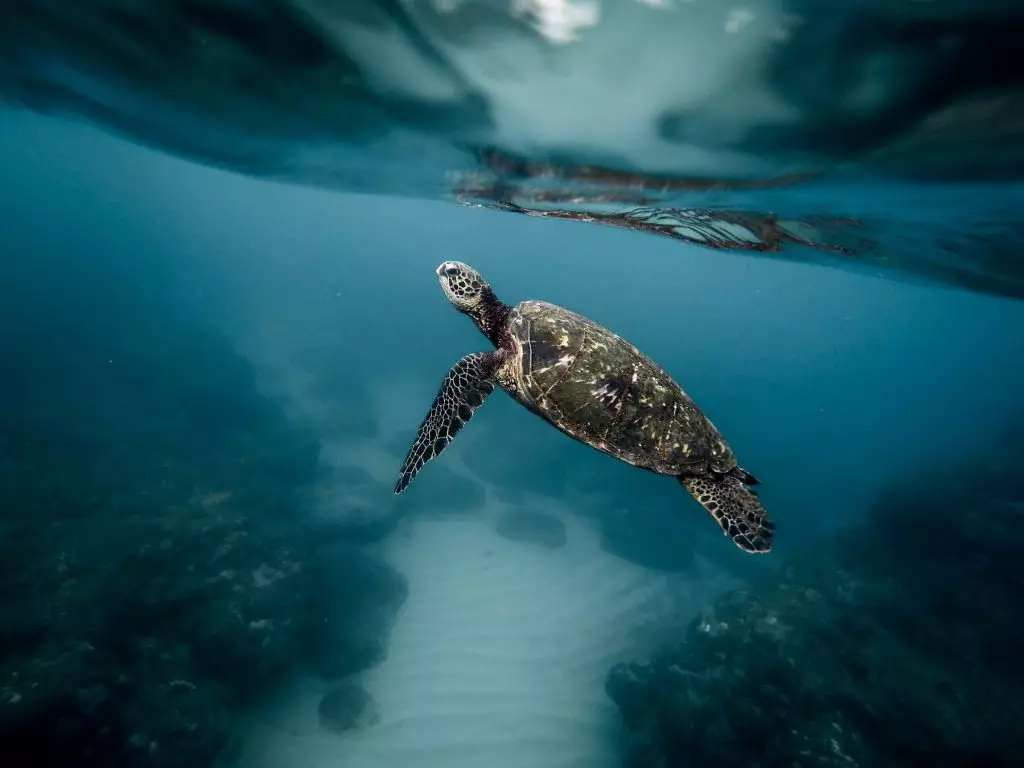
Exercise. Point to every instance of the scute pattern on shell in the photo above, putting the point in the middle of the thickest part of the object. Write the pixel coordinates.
(601, 390)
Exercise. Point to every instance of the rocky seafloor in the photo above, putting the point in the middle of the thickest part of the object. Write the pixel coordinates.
(895, 644)
(157, 567)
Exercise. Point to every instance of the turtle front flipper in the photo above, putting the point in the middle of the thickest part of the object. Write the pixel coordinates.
(463, 390)
(735, 508)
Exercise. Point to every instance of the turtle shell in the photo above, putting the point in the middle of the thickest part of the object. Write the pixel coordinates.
(601, 390)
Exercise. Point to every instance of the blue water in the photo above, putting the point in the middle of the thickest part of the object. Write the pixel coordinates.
(168, 318)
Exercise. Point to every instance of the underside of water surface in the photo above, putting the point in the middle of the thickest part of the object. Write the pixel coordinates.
(791, 128)
(221, 325)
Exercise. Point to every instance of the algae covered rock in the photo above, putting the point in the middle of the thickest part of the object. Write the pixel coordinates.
(357, 602)
(891, 646)
(154, 571)
(517, 457)
(351, 506)
(650, 537)
(347, 708)
(439, 490)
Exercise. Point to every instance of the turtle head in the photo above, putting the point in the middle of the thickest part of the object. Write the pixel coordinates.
(470, 294)
(463, 286)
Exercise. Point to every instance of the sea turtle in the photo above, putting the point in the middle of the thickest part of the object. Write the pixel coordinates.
(595, 387)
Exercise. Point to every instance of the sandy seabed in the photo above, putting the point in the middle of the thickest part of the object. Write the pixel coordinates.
(498, 657)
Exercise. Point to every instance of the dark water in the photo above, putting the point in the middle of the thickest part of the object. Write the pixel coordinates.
(211, 378)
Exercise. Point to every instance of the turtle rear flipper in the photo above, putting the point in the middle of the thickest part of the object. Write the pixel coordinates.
(465, 387)
(735, 508)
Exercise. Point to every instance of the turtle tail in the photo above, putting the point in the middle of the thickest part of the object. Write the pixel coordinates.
(735, 508)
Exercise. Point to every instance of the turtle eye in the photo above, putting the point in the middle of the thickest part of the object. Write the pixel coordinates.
(452, 271)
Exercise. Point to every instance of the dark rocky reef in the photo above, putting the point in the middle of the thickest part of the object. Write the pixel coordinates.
(347, 708)
(438, 490)
(153, 555)
(355, 508)
(895, 644)
(358, 600)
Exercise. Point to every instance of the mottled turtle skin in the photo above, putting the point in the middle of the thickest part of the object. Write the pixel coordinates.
(601, 390)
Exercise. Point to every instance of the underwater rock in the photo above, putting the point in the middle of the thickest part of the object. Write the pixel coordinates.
(640, 538)
(153, 634)
(153, 573)
(541, 528)
(344, 400)
(511, 494)
(540, 464)
(236, 593)
(441, 491)
(893, 645)
(347, 708)
(359, 598)
(160, 712)
(645, 519)
(360, 525)
(352, 507)
(354, 477)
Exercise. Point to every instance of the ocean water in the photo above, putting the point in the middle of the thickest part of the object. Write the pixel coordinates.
(215, 359)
